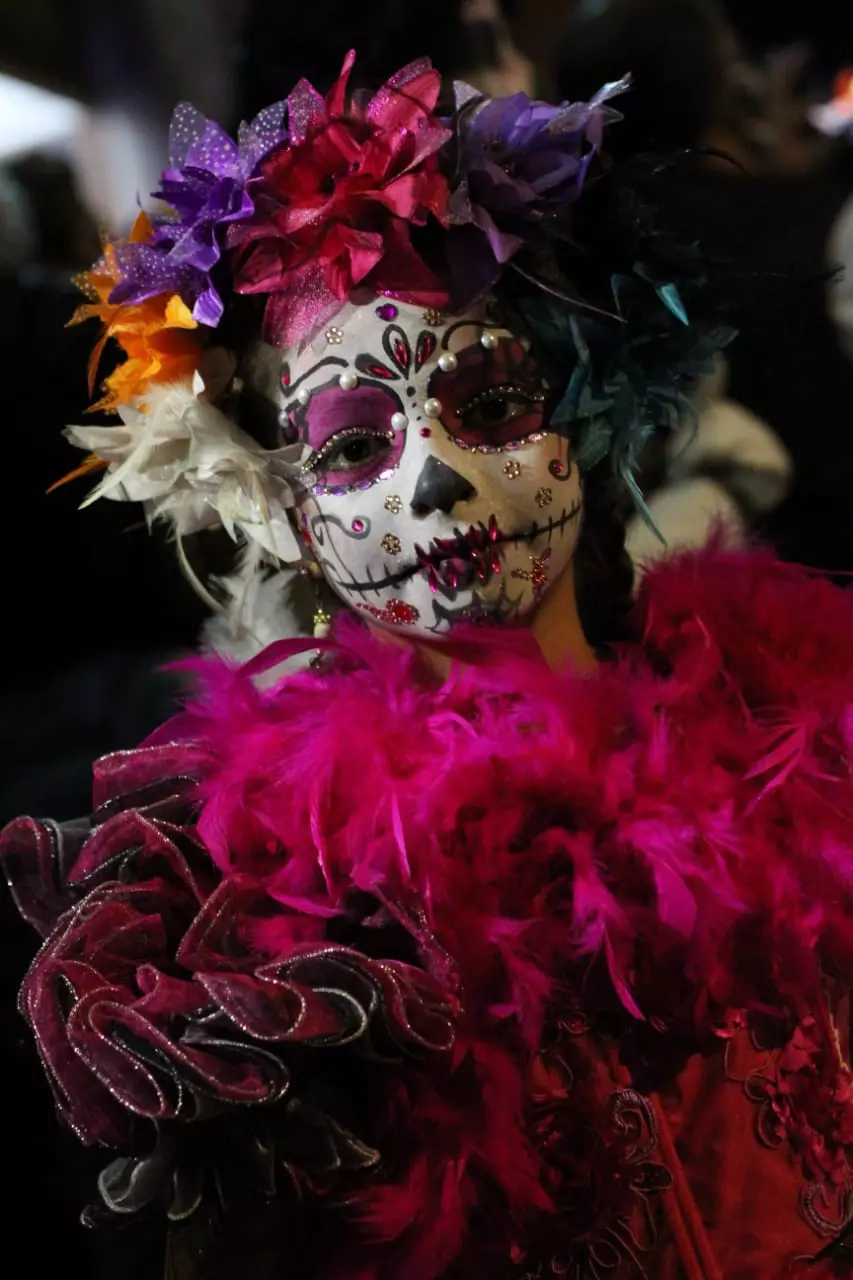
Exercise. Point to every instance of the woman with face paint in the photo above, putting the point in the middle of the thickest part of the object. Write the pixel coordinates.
(509, 935)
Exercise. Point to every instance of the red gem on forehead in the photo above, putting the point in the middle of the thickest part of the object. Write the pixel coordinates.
(285, 375)
(426, 432)
(556, 467)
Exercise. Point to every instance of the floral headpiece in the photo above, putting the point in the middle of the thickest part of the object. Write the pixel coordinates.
(322, 200)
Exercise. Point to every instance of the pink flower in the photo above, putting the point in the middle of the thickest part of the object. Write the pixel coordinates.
(333, 209)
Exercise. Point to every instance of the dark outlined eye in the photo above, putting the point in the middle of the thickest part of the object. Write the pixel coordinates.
(355, 451)
(497, 407)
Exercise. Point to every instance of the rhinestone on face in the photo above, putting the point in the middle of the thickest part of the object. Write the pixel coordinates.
(303, 395)
(512, 469)
(399, 421)
(557, 468)
(426, 432)
(448, 362)
(432, 408)
(544, 497)
(348, 381)
(358, 526)
(387, 311)
(433, 317)
(394, 504)
(391, 544)
(334, 336)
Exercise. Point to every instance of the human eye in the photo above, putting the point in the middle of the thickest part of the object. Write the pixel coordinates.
(498, 407)
(354, 455)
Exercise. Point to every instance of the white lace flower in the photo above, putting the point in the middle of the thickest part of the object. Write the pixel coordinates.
(191, 465)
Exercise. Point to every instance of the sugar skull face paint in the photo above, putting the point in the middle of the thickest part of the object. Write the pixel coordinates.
(408, 424)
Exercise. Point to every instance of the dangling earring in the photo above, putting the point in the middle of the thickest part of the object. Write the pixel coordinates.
(322, 619)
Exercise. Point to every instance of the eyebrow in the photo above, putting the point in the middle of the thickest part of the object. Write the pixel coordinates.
(337, 360)
(461, 324)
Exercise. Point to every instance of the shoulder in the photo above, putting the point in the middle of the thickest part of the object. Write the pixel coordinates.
(784, 635)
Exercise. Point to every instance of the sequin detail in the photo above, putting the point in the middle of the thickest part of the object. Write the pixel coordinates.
(391, 544)
(537, 575)
(394, 504)
(397, 613)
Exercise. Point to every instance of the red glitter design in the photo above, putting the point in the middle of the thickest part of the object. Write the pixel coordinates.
(427, 343)
(402, 355)
(537, 575)
(397, 613)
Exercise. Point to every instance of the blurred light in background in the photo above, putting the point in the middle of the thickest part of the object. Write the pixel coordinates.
(35, 119)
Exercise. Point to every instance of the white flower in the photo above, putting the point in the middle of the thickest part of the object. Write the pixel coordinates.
(191, 465)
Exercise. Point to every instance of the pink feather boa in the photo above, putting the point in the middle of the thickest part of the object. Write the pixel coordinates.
(666, 845)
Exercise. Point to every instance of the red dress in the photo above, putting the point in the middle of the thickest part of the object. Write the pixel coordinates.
(521, 975)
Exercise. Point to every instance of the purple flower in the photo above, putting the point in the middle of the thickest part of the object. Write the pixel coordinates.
(518, 161)
(205, 185)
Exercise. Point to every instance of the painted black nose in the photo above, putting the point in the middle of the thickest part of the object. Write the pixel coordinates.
(439, 488)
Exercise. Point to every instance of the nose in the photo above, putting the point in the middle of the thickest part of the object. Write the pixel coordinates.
(439, 488)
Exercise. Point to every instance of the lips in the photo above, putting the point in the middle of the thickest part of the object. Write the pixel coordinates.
(467, 557)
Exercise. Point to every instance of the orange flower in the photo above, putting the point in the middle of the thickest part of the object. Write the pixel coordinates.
(156, 334)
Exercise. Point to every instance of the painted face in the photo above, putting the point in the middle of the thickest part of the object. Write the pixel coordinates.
(441, 496)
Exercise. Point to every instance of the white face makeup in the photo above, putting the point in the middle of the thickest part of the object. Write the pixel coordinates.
(440, 495)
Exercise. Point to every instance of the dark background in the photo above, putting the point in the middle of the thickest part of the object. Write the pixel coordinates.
(94, 605)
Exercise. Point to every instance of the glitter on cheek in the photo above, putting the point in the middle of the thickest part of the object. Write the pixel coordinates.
(544, 497)
(394, 504)
(537, 575)
(396, 613)
(391, 544)
(512, 469)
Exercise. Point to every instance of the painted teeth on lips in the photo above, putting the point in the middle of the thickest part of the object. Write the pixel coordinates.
(455, 562)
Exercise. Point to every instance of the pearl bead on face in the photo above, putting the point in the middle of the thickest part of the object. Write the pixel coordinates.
(432, 408)
(399, 421)
(448, 363)
(303, 396)
(489, 340)
(348, 381)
